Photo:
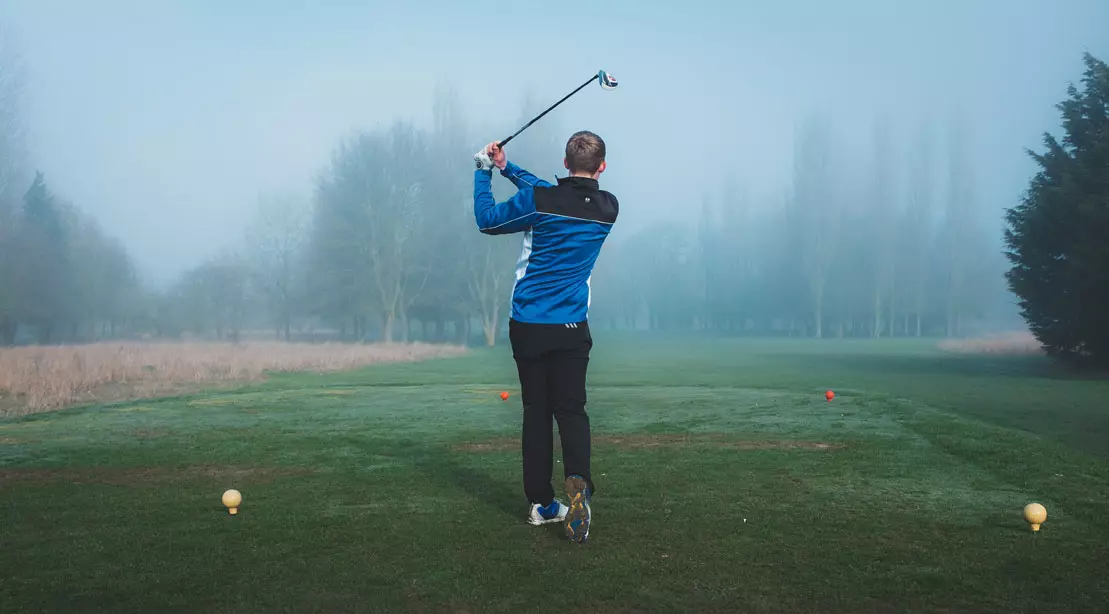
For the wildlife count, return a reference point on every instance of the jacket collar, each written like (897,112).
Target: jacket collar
(586,182)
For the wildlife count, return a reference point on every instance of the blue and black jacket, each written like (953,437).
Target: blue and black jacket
(564,227)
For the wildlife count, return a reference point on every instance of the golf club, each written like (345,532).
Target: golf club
(607,82)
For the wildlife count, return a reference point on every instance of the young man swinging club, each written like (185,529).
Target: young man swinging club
(564,227)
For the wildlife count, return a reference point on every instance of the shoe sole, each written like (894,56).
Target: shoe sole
(580,514)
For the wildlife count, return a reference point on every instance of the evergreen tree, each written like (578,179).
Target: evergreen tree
(44,269)
(1057,235)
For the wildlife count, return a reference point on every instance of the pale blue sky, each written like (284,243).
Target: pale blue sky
(179,113)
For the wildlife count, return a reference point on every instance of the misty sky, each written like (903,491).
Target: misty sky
(167,119)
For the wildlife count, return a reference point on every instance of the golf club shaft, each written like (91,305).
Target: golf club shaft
(537,117)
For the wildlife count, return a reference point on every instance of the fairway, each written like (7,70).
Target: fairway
(725,482)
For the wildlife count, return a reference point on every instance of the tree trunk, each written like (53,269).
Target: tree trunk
(892,316)
(460,330)
(489,325)
(819,315)
(877,330)
(387,328)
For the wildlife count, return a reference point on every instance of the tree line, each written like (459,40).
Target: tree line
(895,244)
(386,246)
(62,276)
(898,242)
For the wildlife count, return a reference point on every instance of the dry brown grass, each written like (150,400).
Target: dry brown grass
(1018,343)
(41,378)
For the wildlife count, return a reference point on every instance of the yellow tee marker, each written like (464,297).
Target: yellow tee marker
(1035,515)
(232,499)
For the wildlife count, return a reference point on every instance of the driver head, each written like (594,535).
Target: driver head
(607,81)
(585,155)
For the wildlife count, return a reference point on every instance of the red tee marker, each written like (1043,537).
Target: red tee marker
(829,395)
(504,396)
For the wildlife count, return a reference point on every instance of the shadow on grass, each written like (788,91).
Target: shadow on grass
(448,469)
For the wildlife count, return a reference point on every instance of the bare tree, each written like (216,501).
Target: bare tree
(276,240)
(815,212)
(491,282)
(372,206)
(916,231)
(398,256)
(958,226)
(883,230)
(338,288)
(447,294)
(213,297)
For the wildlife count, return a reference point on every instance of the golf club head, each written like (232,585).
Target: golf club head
(607,81)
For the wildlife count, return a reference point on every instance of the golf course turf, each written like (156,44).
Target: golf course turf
(726,482)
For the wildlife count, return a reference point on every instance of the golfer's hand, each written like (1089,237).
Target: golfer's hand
(482,160)
(497,155)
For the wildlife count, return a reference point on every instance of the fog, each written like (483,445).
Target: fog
(168,123)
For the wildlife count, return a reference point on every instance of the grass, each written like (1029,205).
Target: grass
(725,483)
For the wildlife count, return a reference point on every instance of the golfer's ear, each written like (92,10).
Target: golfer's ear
(566,164)
(602,167)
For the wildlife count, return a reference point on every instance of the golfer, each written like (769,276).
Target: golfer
(564,227)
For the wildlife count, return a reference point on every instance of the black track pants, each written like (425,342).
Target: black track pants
(552,360)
